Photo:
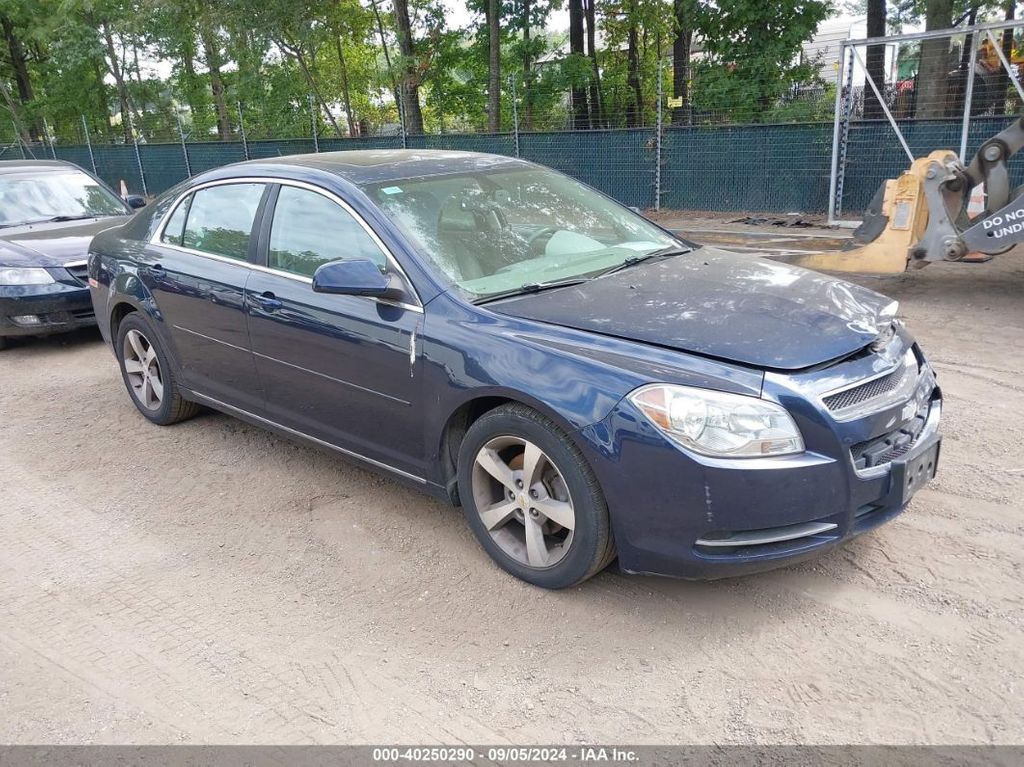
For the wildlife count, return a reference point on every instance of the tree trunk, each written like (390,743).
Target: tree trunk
(635,103)
(188,65)
(596,111)
(410,89)
(527,69)
(933,76)
(681,42)
(578,95)
(387,55)
(346,98)
(211,50)
(102,94)
(114,66)
(493,66)
(295,52)
(875,63)
(1007,47)
(19,65)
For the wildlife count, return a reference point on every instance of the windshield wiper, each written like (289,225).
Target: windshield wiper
(670,250)
(69,218)
(54,219)
(532,287)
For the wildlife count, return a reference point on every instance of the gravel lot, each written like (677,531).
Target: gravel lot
(211,583)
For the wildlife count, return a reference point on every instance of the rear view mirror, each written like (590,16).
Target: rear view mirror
(135,201)
(358,277)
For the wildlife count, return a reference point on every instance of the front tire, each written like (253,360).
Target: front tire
(147,373)
(532,500)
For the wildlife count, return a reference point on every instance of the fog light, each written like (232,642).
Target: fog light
(26,319)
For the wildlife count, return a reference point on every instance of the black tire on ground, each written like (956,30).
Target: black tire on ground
(3,342)
(592,547)
(172,407)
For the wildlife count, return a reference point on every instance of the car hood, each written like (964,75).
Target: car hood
(52,244)
(711,302)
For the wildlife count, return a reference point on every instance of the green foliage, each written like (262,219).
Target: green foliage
(154,63)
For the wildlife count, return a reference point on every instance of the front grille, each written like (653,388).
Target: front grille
(867,391)
(80,271)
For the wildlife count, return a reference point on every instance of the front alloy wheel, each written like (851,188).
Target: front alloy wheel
(523,501)
(532,499)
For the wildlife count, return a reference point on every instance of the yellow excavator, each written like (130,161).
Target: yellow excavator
(921,217)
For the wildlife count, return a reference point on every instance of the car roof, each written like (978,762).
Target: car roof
(19,166)
(371,166)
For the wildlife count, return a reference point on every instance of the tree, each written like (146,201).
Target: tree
(685,16)
(933,75)
(410,88)
(493,66)
(596,118)
(875,63)
(578,95)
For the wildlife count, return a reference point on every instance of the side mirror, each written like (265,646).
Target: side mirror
(358,277)
(135,201)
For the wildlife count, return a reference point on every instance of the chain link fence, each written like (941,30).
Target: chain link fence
(821,146)
(902,97)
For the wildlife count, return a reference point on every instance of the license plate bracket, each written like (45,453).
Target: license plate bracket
(913,472)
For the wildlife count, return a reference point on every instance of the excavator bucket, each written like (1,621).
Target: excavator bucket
(893,225)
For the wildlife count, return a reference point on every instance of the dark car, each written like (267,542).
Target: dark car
(583,383)
(49,212)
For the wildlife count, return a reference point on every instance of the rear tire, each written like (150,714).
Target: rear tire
(3,343)
(147,373)
(532,500)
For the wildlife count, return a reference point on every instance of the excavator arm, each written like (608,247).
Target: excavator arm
(921,216)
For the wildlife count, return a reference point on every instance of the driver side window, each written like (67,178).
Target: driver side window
(309,230)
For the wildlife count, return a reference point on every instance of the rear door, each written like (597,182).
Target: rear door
(340,368)
(203,259)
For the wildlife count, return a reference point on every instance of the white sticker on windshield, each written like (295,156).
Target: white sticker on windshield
(391,189)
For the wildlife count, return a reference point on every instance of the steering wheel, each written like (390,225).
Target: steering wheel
(534,239)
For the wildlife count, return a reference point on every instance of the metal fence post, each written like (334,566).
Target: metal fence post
(312,123)
(184,148)
(19,140)
(401,117)
(88,144)
(49,138)
(657,138)
(515,111)
(138,154)
(969,95)
(840,133)
(241,130)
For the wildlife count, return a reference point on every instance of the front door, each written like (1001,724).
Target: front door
(197,274)
(340,368)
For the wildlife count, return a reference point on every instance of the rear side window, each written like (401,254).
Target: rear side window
(309,230)
(219,220)
(176,223)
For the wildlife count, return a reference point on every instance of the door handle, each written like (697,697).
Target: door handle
(268,301)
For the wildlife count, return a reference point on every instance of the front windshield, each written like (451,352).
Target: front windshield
(494,231)
(35,197)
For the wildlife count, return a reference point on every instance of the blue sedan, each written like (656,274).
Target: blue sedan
(584,384)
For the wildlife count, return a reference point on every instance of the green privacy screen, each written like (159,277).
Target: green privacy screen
(769,168)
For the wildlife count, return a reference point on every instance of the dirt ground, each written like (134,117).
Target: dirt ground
(211,583)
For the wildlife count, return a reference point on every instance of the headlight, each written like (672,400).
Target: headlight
(19,276)
(718,424)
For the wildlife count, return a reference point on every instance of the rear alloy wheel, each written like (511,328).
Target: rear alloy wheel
(143,370)
(148,375)
(532,500)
